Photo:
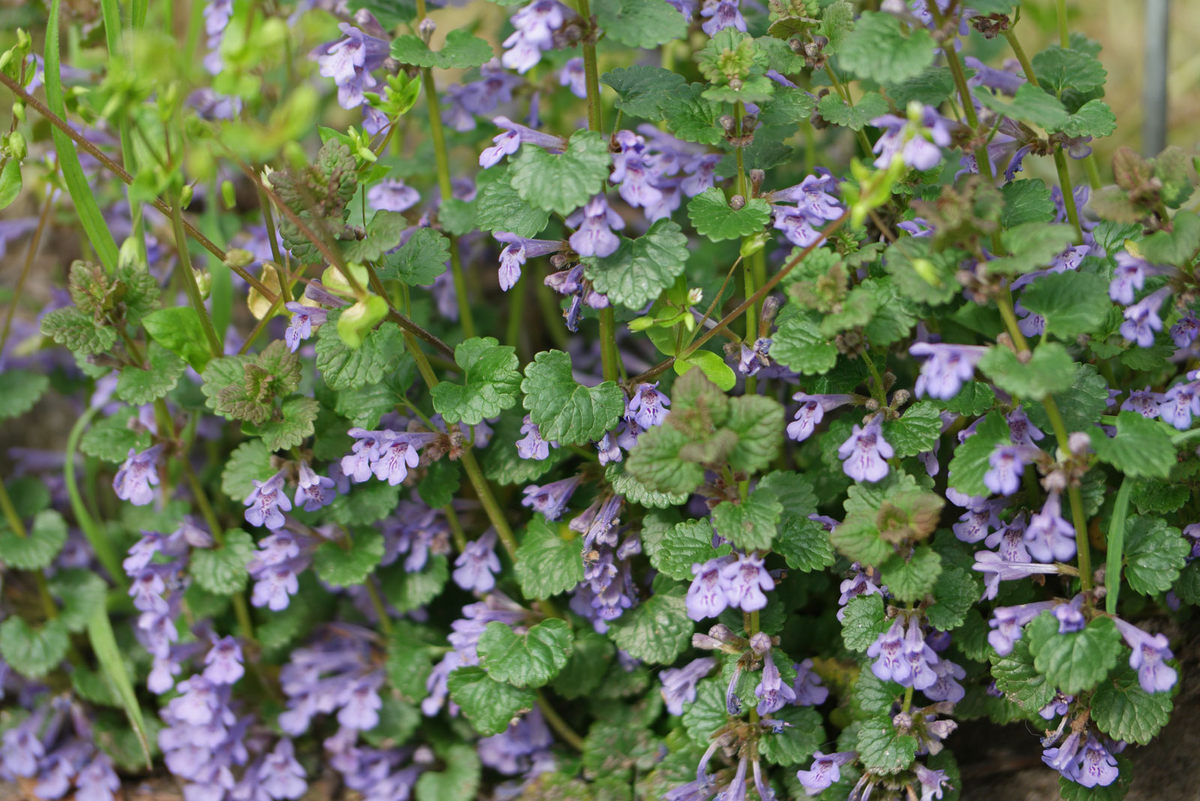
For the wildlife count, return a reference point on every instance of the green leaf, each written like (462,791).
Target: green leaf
(500,208)
(788,106)
(801,737)
(863,622)
(838,112)
(707,713)
(348,564)
(954,593)
(641,24)
(912,578)
(878,50)
(249,462)
(758,422)
(38,548)
(804,544)
(858,539)
(222,570)
(683,544)
(1081,404)
(1059,68)
(1050,370)
(19,391)
(1026,201)
(383,233)
(920,273)
(591,654)
(549,561)
(634,491)
(1073,303)
(713,217)
(407,591)
(564,411)
(643,91)
(1154,496)
(656,462)
(1155,553)
(799,345)
(640,269)
(440,484)
(916,432)
(366,503)
(138,387)
(693,118)
(390,13)
(294,424)
(179,330)
(749,525)
(1094,118)
(457,217)
(564,182)
(458,782)
(882,749)
(657,630)
(972,400)
(491,382)
(33,652)
(501,462)
(10,182)
(970,459)
(1140,448)
(409,661)
(462,51)
(421,259)
(1176,246)
(929,88)
(525,660)
(346,368)
(871,697)
(1030,104)
(80,594)
(710,364)
(1124,711)
(78,332)
(1076,661)
(489,705)
(1019,680)
(1030,246)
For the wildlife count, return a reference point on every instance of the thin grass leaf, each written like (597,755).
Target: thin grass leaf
(1116,546)
(95,535)
(104,644)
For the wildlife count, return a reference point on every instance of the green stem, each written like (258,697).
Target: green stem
(557,723)
(1064,36)
(861,135)
(95,535)
(1093,173)
(752,628)
(878,390)
(189,282)
(460,538)
(495,514)
(1064,180)
(385,622)
(1116,546)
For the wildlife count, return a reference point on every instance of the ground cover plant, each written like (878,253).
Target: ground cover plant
(610,400)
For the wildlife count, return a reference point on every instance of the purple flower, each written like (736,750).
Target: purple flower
(708,595)
(1070,619)
(300,327)
(679,684)
(918,145)
(1021,431)
(888,649)
(392,194)
(1179,403)
(1141,319)
(753,359)
(477,565)
(745,580)
(550,499)
(648,406)
(1185,330)
(861,583)
(812,412)
(572,75)
(1059,705)
(1009,540)
(945,686)
(223,663)
(943,374)
(996,569)
(1050,538)
(701,173)
(807,685)
(517,250)
(515,135)
(1129,275)
(796,226)
(1149,651)
(266,503)
(350,61)
(97,781)
(137,475)
(1098,767)
(535,26)
(1007,463)
(633,173)
(977,522)
(825,771)
(397,453)
(595,222)
(313,491)
(532,446)
(480,97)
(1065,757)
(722,14)
(1008,623)
(772,693)
(920,657)
(281,776)
(864,455)
(363,703)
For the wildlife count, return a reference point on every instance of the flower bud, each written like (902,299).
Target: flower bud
(426,29)
(237,257)
(737,202)
(1079,442)
(14,143)
(203,282)
(760,643)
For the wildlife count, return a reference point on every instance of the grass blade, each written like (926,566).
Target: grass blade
(96,536)
(81,194)
(104,644)
(1116,546)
